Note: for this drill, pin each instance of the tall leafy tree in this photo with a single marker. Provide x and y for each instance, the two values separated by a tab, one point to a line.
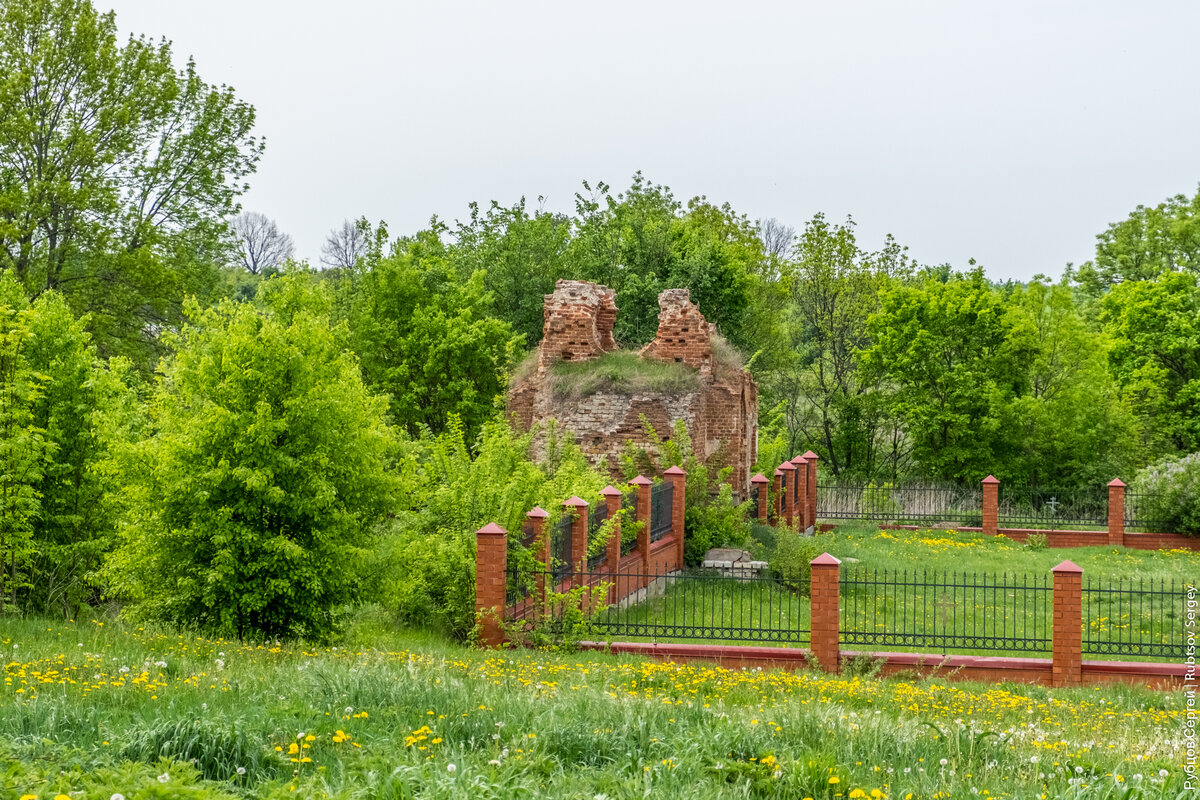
1155	357
1149	242
424	334
831	403
251	505
23	446
117	170
945	348
519	256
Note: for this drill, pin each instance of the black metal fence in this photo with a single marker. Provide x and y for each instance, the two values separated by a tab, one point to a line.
946	611
1026	507
629	532
661	495
562	556
920	611
1140	513
596	518
905	504
1134	618
692	605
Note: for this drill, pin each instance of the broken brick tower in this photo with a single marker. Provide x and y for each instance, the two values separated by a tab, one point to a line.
721	412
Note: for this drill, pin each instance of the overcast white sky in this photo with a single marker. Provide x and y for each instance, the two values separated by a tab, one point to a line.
1009	132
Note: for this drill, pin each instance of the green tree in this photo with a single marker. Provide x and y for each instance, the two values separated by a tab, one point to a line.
117	171
1154	326
252	505
1069	425
22	444
831	404
643	241
945	349
424	334
520	256
1146	244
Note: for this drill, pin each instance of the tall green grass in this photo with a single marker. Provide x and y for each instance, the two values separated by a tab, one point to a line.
434	720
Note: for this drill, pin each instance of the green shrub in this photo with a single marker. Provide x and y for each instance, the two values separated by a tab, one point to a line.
790	560
719	523
1036	541
1169	492
425	568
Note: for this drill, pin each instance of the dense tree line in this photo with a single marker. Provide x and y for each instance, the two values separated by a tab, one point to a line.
211	433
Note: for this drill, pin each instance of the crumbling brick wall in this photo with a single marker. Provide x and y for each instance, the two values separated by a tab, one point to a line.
721	418
579	319
684	335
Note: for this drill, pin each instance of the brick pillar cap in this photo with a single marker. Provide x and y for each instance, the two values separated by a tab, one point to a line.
824	560
1067	566
759	478
798	460
577	502
492	529
1116	482
675	471
810	456
641	480
537	512
778	473
610	491
990	479
787	466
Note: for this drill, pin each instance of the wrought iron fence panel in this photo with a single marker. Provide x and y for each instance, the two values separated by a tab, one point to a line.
596	518
660	510
703	605
629	529
1024	507
946	611
561	556
911	504
1137	618
1139	514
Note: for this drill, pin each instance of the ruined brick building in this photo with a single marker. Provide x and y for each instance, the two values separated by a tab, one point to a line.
719	407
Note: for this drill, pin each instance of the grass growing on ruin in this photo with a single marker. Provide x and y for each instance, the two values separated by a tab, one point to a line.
90	710
621	372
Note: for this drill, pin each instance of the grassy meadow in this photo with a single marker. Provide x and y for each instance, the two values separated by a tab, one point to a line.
99	709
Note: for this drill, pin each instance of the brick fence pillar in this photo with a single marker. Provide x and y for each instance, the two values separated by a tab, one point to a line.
759	481
491	574
678	479
579	536
811	513
541	549
1116	512
612	555
643	485
1067	651
801	464
789	490
825	604
991	505
777	496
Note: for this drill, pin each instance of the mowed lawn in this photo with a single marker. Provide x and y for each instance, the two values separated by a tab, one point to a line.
95	708
992	592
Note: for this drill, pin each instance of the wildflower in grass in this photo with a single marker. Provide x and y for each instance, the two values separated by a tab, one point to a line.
1162	773
117	796
835	779
450	768
166	776
26	796
241	770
